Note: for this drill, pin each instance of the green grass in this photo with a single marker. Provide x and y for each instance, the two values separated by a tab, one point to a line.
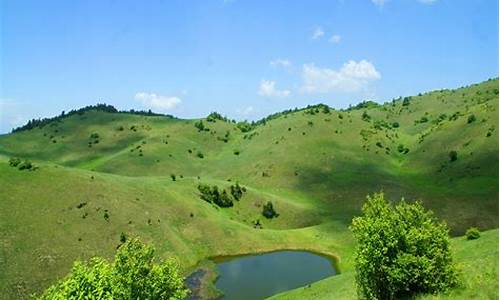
317	177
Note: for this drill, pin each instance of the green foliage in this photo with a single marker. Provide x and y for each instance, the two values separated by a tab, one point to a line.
133	275
214	116
237	191
199	124
244	126
395	124
200	154
14	161
403	149
401	251
471	119
211	194
472	233
423	119
406	101
453	155
26	165
365	117
173	177
268	210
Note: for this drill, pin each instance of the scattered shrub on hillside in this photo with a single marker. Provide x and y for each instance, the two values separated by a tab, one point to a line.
310	123
454	116
365	117
211	194
14	161
472	233
423	119
106	215
326	109
268	210
453	155
81	204
94	135
132	275
199	154
490	131
172	176
123	237
379	144
395	125
200	126
402	251
403	149
236	152
341	116
120	128
406	101
237	191
244	126
471	119
26	165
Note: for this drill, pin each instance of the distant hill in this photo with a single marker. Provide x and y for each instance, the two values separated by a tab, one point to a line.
316	164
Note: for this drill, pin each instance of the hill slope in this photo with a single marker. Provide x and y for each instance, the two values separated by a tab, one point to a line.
316	165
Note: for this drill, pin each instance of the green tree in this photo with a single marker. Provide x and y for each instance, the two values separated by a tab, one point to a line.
472	233
401	251
268	210
133	275
453	155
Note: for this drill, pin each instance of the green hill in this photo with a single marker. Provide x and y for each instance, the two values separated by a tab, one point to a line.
315	164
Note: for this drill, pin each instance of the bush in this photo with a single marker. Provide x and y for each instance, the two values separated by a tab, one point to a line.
365	117
132	275
453	155
199	125
172	176
211	194
14	161
237	191
268	211
471	119
25	165
395	125
472	233
401	251
200	155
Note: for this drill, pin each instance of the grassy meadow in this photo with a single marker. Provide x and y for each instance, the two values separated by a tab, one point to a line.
101	174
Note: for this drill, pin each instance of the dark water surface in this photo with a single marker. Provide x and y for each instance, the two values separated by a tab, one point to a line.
259	276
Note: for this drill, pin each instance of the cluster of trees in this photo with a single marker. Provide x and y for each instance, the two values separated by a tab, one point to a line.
221	197
16	162
363	105
214	116
200	126
98	107
132	275
401	251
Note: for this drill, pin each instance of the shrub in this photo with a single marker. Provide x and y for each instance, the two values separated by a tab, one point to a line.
395	125
237	191
472	233
365	117
25	165
236	152
211	194
403	149
199	154
471	119
199	124
268	211
14	161
132	275
172	176
453	155
401	251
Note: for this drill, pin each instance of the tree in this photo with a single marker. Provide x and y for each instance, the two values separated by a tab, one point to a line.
132	275
268	210
471	119
401	251
199	124
453	155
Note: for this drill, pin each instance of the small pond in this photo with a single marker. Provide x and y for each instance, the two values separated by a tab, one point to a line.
256	277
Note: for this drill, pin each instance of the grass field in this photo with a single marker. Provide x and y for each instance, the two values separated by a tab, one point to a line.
316	167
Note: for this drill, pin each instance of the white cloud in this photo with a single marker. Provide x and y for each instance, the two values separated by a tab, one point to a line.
267	89
245	111
335	39
285	63
157	102
379	2
318	32
351	77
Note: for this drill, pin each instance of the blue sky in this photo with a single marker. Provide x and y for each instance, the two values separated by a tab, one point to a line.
243	58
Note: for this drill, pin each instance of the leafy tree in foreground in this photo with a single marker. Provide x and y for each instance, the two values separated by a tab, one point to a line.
401	251
133	275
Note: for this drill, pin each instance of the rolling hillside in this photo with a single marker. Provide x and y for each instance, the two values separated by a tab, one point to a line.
315	164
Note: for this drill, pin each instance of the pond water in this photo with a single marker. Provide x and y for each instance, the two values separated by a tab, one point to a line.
259	276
